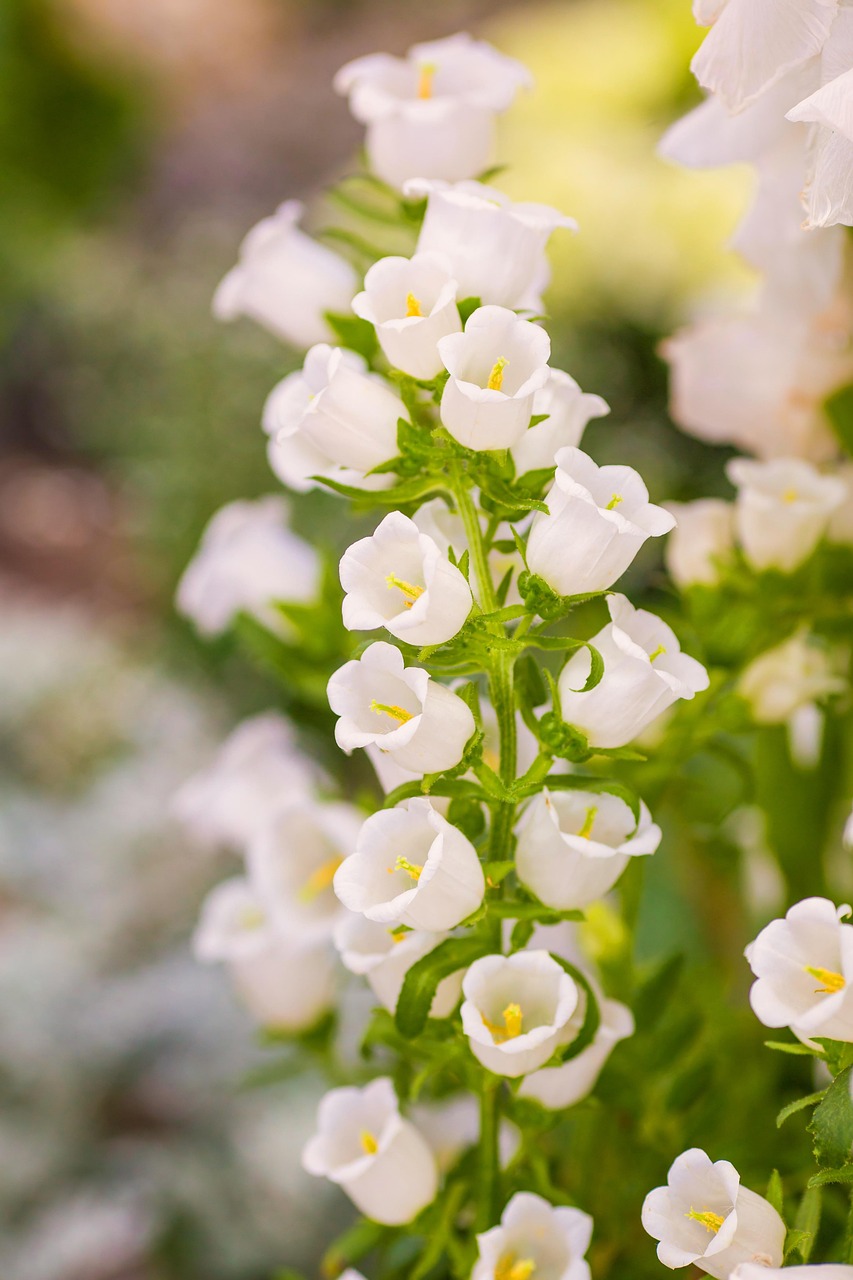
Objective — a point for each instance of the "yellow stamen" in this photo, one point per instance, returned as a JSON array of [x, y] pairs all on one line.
[[657, 653], [411, 868], [409, 590], [369, 1144], [395, 712], [496, 377], [252, 918], [790, 495], [511, 1028], [413, 306], [585, 830], [425, 79], [319, 880], [511, 1268], [614, 502], [832, 982], [710, 1221]]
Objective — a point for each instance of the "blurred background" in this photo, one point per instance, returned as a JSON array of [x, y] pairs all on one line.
[[139, 140]]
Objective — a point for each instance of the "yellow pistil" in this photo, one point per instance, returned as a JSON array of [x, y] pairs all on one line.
[[496, 377], [369, 1144], [252, 918], [511, 1028], [710, 1221], [395, 712], [585, 830], [614, 502], [427, 72], [790, 495], [657, 653], [409, 590], [832, 982], [413, 306], [511, 1268], [411, 868], [319, 880]]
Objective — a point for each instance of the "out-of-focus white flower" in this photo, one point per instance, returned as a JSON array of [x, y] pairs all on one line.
[[399, 579], [560, 1087], [598, 518], [804, 970], [257, 769], [247, 560], [383, 957], [645, 672], [286, 281], [517, 1010], [292, 863], [286, 985], [781, 680], [496, 366], [412, 867], [828, 196], [379, 1159], [432, 113], [412, 303], [496, 247], [819, 1271], [399, 708], [841, 521], [569, 410], [453, 1124], [704, 1217], [445, 527], [782, 509], [534, 1238], [847, 834], [701, 542], [574, 845]]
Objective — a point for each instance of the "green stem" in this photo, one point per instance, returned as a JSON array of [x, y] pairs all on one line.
[[490, 1171], [502, 690], [476, 546]]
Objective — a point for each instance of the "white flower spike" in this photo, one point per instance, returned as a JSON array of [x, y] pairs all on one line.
[[782, 509], [412, 303], [535, 1239]]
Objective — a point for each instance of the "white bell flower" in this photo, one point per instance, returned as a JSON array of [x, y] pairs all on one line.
[[377, 1157], [559, 1087], [432, 113], [292, 863], [496, 366], [286, 281], [791, 675], [247, 560], [256, 769], [574, 845], [374, 951], [701, 543], [496, 247], [645, 672], [401, 709], [399, 579], [569, 410], [818, 1271], [804, 970], [782, 509], [704, 1217], [535, 1239], [828, 196], [453, 1124], [412, 303], [286, 985], [517, 1010], [598, 518], [410, 866]]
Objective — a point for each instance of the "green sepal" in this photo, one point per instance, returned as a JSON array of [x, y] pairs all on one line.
[[592, 1014]]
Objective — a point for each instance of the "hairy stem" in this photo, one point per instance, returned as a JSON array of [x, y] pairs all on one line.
[[476, 547]]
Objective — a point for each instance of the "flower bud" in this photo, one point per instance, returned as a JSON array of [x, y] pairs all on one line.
[[517, 1010], [412, 303], [782, 509], [534, 1238], [384, 957], [701, 542]]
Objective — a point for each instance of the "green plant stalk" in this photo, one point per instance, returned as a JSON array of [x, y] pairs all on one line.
[[489, 1205]]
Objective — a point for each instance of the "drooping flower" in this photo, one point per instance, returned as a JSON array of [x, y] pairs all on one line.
[[399, 579], [598, 518], [401, 709], [701, 543], [535, 1239], [782, 509], [375, 951], [574, 845], [791, 675], [517, 1010], [412, 303], [412, 867], [804, 970], [432, 113], [704, 1217], [247, 560], [286, 281], [559, 1087], [376, 1156], [568, 411]]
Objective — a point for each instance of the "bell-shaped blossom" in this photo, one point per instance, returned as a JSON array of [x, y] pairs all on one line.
[[412, 304], [793, 674], [517, 1010], [535, 1239], [496, 247], [782, 509], [496, 366], [574, 845], [247, 560], [286, 281], [828, 196], [701, 543], [400, 579], [377, 1157], [292, 863], [568, 411], [285, 984], [645, 672], [412, 867], [432, 113], [559, 1087], [704, 1217], [598, 518], [400, 709], [804, 970], [375, 951], [818, 1271], [258, 768], [453, 1124]]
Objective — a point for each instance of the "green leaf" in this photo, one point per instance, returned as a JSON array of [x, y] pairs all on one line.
[[413, 490], [800, 1105], [832, 1124], [523, 910], [826, 1176], [421, 981], [774, 1193], [467, 307], [793, 1047], [528, 681], [807, 1221], [357, 334], [498, 871], [796, 1241], [352, 1246], [839, 410], [657, 991], [592, 1015]]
